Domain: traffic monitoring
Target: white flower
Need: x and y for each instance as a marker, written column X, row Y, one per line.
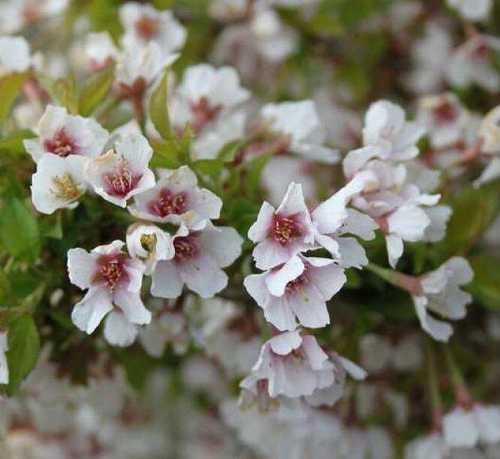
column 474, row 10
column 297, row 290
column 63, row 135
column 114, row 281
column 100, row 50
column 489, row 136
column 472, row 63
column 228, row 10
column 137, row 69
column 464, row 427
column 431, row 446
column 440, row 293
column 144, row 24
column 14, row 55
column 177, row 199
column 444, row 119
column 123, row 171
column 387, row 129
column 292, row 365
column 283, row 232
column 198, row 262
column 207, row 99
column 299, row 124
column 4, row 369
column 431, row 55
column 150, row 244
column 58, row 183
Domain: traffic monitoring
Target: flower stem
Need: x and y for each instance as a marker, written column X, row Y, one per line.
column 462, row 394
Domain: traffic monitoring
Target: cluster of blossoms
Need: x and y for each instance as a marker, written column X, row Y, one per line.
column 248, row 194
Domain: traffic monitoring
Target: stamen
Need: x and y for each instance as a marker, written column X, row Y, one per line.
column 61, row 144
column 168, row 203
column 66, row 188
column 284, row 229
column 186, row 248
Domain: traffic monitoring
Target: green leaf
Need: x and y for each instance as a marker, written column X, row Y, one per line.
column 10, row 86
column 19, row 232
column 95, row 90
column 228, row 152
column 255, row 168
column 158, row 108
column 210, row 167
column 24, row 347
column 473, row 211
column 63, row 91
column 486, row 283
column 13, row 144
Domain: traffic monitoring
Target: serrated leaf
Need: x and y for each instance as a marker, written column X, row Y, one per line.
column 95, row 90
column 24, row 347
column 486, row 283
column 158, row 108
column 10, row 85
column 19, row 232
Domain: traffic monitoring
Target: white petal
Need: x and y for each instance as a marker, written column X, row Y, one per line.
column 223, row 243
column 132, row 307
column 439, row 330
column 460, row 428
column 167, row 282
column 203, row 276
column 89, row 312
column 394, row 249
column 118, row 331
column 81, row 267
column 285, row 343
column 260, row 229
column 277, row 280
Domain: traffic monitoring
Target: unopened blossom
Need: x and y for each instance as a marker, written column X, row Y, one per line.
column 4, row 369
column 113, row 282
column 431, row 54
column 58, row 183
column 199, row 258
column 100, row 50
column 283, row 232
column 150, row 244
column 439, row 292
column 298, row 290
column 177, row 199
column 144, row 24
column 16, row 14
column 465, row 427
column 14, row 55
column 299, row 128
column 473, row 10
column 472, row 63
column 386, row 128
column 444, row 119
column 208, row 99
column 123, row 171
column 64, row 135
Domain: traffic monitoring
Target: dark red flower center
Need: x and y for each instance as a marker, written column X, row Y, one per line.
column 168, row 203
column 111, row 269
column 203, row 113
column 285, row 228
column 121, row 181
column 297, row 284
column 445, row 112
column 186, row 247
column 147, row 27
column 61, row 144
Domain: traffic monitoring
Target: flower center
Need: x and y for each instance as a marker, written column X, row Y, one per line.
column 203, row 113
column 148, row 241
column 445, row 112
column 65, row 187
column 121, row 181
column 61, row 144
column 168, row 203
column 284, row 229
column 186, row 248
column 481, row 51
column 111, row 270
column 147, row 27
column 297, row 284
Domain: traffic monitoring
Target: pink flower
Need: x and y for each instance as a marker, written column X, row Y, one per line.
column 282, row 233
column 113, row 282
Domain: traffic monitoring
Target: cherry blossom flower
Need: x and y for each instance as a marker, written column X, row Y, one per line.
column 199, row 258
column 113, row 283
column 283, row 232
column 4, row 369
column 123, row 171
column 100, row 50
column 149, row 244
column 63, row 135
column 297, row 290
column 144, row 24
column 386, row 128
column 444, row 118
column 299, row 126
column 14, row 55
column 58, row 183
column 473, row 10
column 472, row 63
column 469, row 426
column 177, row 199
column 208, row 99
column 439, row 292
